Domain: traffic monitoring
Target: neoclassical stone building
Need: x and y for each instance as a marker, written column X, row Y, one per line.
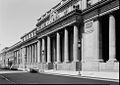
column 100, row 39
column 75, row 35
column 80, row 35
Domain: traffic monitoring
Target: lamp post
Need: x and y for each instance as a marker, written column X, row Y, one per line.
column 79, row 47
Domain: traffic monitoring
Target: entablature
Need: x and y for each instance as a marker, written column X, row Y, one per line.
column 60, row 11
column 99, row 8
column 29, row 35
column 63, row 2
column 70, row 18
column 29, row 40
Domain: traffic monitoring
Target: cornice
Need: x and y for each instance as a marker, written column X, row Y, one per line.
column 29, row 32
column 95, row 6
column 74, row 12
column 14, row 46
column 74, row 16
column 100, row 9
column 56, row 9
column 29, row 40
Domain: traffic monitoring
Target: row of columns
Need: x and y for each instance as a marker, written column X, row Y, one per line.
column 112, row 44
column 112, row 38
column 31, row 53
column 33, row 50
column 58, row 47
column 16, row 54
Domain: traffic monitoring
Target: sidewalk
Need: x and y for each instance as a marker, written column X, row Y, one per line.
column 9, row 72
column 108, row 76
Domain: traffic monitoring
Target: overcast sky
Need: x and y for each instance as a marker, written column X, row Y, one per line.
column 18, row 17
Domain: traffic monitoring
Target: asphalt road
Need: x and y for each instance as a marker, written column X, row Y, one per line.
column 38, row 78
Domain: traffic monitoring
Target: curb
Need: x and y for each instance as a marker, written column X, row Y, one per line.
column 79, row 76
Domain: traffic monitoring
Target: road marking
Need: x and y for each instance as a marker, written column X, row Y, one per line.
column 7, row 79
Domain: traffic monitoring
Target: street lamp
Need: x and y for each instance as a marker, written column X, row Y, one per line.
column 79, row 47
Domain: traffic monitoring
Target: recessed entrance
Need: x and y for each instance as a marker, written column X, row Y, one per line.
column 117, row 19
column 104, row 38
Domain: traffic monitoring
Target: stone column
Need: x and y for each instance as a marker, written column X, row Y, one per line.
column 21, row 52
column 112, row 40
column 48, row 50
column 30, row 54
column 35, row 53
column 17, row 57
column 14, row 58
column 66, row 54
column 23, row 56
column 43, row 50
column 58, row 48
column 27, row 54
column 75, row 45
column 38, row 51
column 97, row 37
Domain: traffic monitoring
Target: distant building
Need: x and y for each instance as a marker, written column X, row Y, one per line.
column 3, row 58
column 75, row 35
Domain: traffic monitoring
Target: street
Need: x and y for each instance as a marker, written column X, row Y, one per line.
column 39, row 78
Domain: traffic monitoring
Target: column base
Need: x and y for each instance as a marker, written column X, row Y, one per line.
column 58, row 62
column 66, row 62
column 49, row 66
column 90, row 65
column 112, row 60
column 71, row 66
column 109, row 67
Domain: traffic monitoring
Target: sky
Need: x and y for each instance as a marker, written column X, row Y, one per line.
column 18, row 17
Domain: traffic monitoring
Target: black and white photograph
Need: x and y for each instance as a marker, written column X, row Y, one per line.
column 59, row 42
